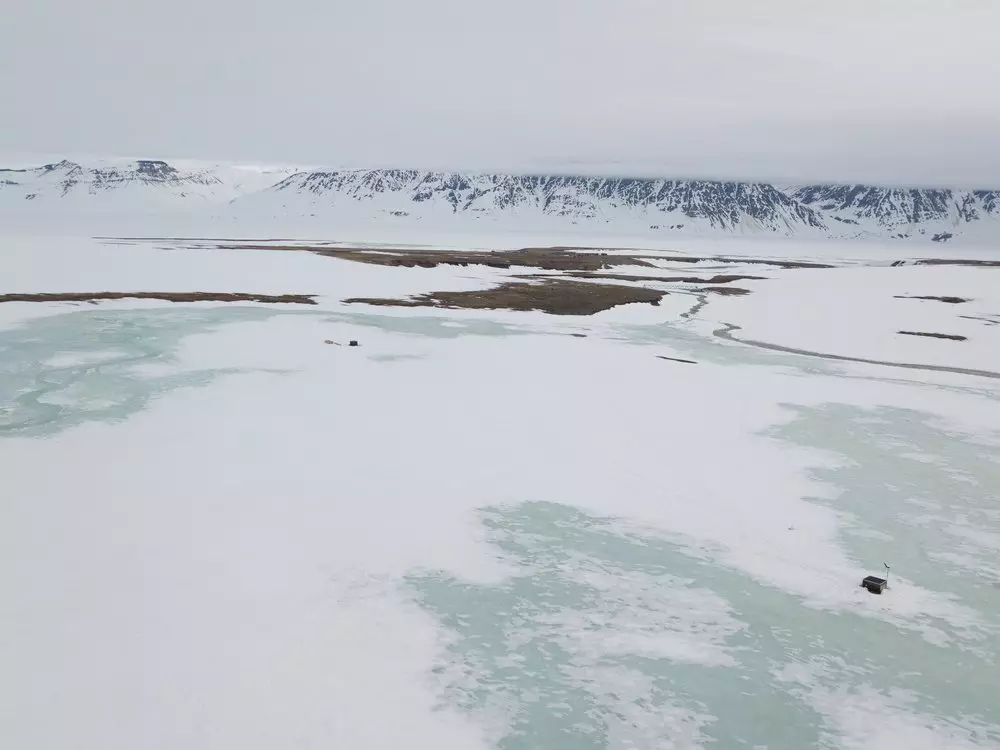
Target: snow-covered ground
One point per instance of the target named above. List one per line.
(477, 530)
(859, 311)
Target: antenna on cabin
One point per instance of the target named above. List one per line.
(886, 574)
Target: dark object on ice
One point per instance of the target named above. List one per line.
(353, 343)
(874, 584)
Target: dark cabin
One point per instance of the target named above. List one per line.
(874, 584)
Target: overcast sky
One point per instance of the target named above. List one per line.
(902, 91)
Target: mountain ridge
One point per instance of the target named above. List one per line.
(643, 204)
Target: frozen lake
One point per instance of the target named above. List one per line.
(492, 529)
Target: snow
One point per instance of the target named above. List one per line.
(307, 547)
(68, 264)
(857, 312)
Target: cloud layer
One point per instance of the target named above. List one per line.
(889, 91)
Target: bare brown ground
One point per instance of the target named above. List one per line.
(949, 336)
(547, 259)
(411, 257)
(717, 279)
(543, 258)
(949, 300)
(553, 296)
(726, 291)
(956, 262)
(298, 299)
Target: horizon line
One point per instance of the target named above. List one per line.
(29, 160)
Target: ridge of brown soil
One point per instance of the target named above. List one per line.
(949, 336)
(949, 300)
(543, 258)
(298, 299)
(717, 279)
(553, 296)
(955, 262)
(726, 291)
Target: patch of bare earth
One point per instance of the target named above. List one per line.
(676, 359)
(542, 258)
(736, 261)
(949, 336)
(297, 299)
(717, 279)
(553, 296)
(952, 262)
(547, 259)
(949, 300)
(726, 291)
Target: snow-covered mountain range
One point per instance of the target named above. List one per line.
(117, 186)
(646, 205)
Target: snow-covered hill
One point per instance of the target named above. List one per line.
(122, 187)
(902, 212)
(643, 205)
(647, 206)
(639, 204)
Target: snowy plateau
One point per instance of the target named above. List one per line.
(647, 206)
(604, 470)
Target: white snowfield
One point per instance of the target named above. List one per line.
(859, 312)
(490, 528)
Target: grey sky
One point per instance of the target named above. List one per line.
(887, 90)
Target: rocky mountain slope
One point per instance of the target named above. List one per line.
(901, 212)
(645, 205)
(671, 204)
